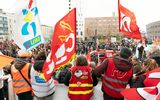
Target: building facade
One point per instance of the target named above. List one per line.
(3, 25)
(80, 20)
(47, 32)
(7, 23)
(80, 5)
(153, 30)
(101, 26)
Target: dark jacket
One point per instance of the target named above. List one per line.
(137, 68)
(120, 63)
(62, 75)
(139, 81)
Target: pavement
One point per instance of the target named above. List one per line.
(61, 93)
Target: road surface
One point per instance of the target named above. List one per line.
(61, 93)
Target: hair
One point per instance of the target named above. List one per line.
(157, 59)
(41, 56)
(81, 61)
(38, 65)
(135, 58)
(150, 65)
(156, 56)
(125, 53)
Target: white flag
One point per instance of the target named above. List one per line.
(27, 33)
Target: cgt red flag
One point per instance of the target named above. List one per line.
(127, 23)
(146, 93)
(63, 44)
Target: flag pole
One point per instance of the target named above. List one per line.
(69, 5)
(31, 1)
(119, 14)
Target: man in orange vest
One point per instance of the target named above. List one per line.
(80, 80)
(20, 75)
(117, 72)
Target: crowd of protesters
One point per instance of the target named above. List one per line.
(133, 65)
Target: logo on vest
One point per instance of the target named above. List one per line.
(38, 79)
(119, 74)
(85, 75)
(79, 84)
(78, 73)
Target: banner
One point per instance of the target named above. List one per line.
(127, 23)
(27, 33)
(5, 60)
(146, 93)
(63, 44)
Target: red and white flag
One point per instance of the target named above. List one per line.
(63, 44)
(127, 23)
(146, 93)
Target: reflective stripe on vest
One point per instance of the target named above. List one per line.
(18, 87)
(81, 92)
(81, 85)
(111, 87)
(19, 81)
(114, 80)
(19, 84)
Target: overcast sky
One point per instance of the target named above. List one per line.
(50, 11)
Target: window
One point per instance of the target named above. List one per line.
(1, 25)
(1, 18)
(5, 18)
(81, 33)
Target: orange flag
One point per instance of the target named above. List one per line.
(5, 60)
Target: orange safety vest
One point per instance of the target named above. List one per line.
(19, 83)
(81, 83)
(114, 80)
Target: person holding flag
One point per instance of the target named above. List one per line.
(63, 47)
(150, 78)
(147, 86)
(42, 89)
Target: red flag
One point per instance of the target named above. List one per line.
(30, 4)
(146, 93)
(127, 23)
(63, 44)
